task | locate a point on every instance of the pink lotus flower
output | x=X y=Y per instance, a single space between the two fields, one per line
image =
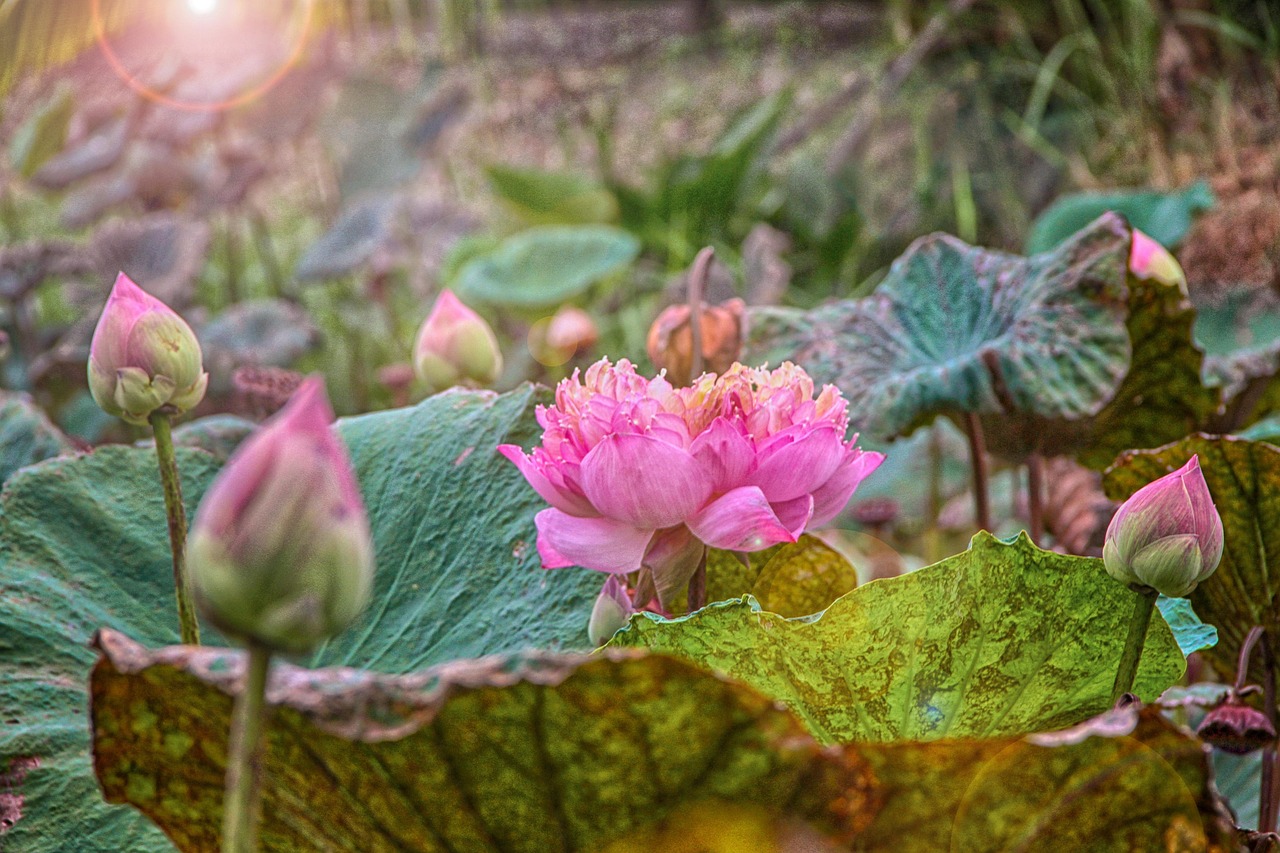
x=639 y=473
x=280 y=550
x=1148 y=259
x=143 y=356
x=1168 y=536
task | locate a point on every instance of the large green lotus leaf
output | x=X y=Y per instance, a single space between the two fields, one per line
x=27 y=436
x=83 y=545
x=1162 y=397
x=954 y=328
x=217 y=435
x=792 y=579
x=1165 y=216
x=544 y=266
x=534 y=753
x=1243 y=478
x=1002 y=639
x=613 y=753
x=1249 y=380
x=1059 y=353
x=1120 y=782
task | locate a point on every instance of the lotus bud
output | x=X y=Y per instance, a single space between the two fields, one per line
x=611 y=612
x=1237 y=728
x=455 y=345
x=1149 y=260
x=571 y=332
x=1168 y=536
x=143 y=357
x=280 y=552
x=670 y=342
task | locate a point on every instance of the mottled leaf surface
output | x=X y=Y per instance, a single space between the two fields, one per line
x=533 y=754
x=954 y=328
x=1242 y=477
x=83 y=545
x=1162 y=397
x=1120 y=782
x=1002 y=639
x=26 y=434
x=614 y=753
x=217 y=435
x=793 y=579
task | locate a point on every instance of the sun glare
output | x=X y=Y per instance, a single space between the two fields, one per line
x=202 y=7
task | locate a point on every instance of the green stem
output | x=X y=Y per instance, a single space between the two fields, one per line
x=240 y=807
x=1133 y=643
x=189 y=626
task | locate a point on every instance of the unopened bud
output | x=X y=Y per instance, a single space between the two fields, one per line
x=1148 y=259
x=280 y=552
x=143 y=357
x=455 y=346
x=1168 y=536
x=670 y=342
x=571 y=332
x=611 y=612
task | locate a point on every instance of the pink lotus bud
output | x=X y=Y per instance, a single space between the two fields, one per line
x=612 y=612
x=143 y=357
x=1148 y=259
x=1168 y=536
x=280 y=551
x=455 y=345
x=639 y=473
x=571 y=332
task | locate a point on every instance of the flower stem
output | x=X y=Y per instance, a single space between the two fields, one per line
x=187 y=623
x=1268 y=805
x=698 y=274
x=978 y=462
x=240 y=807
x=1133 y=643
x=1035 y=496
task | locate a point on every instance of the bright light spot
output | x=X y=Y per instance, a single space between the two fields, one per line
x=202 y=7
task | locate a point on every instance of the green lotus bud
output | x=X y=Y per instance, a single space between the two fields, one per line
x=143 y=357
x=280 y=552
x=611 y=612
x=455 y=346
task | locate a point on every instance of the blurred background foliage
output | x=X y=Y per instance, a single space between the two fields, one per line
x=300 y=178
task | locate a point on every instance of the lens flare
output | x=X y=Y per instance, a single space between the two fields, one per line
x=225 y=28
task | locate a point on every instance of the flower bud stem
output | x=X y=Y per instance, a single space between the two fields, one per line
x=1268 y=806
x=187 y=623
x=698 y=274
x=241 y=806
x=1133 y=643
x=978 y=464
x=1035 y=496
